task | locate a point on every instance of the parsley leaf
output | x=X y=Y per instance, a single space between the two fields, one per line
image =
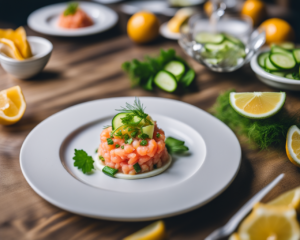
x=71 y=9
x=83 y=161
x=174 y=145
x=109 y=141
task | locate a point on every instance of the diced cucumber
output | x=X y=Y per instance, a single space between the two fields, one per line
x=176 y=68
x=116 y=121
x=296 y=53
x=262 y=59
x=234 y=40
x=165 y=81
x=206 y=37
x=269 y=65
x=289 y=75
x=149 y=130
x=282 y=61
x=279 y=74
x=277 y=49
x=218 y=47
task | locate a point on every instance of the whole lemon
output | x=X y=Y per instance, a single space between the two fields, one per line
x=256 y=10
x=143 y=27
x=277 y=31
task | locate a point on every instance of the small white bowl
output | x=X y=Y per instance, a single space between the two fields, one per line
x=41 y=50
x=273 y=80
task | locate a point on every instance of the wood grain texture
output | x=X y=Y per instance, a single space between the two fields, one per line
x=85 y=69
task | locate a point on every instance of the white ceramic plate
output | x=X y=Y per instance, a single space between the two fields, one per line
x=165 y=32
x=44 y=20
x=191 y=181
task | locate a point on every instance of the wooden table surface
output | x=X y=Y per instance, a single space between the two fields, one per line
x=84 y=69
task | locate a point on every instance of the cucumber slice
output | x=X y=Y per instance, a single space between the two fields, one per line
x=218 y=47
x=296 y=53
x=289 y=75
x=262 y=59
x=276 y=49
x=165 y=81
x=206 y=37
x=116 y=121
x=269 y=65
x=279 y=74
x=176 y=68
x=282 y=61
x=285 y=45
x=149 y=130
x=234 y=40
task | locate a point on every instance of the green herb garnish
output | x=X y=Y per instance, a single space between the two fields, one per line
x=141 y=73
x=118 y=134
x=155 y=166
x=109 y=171
x=143 y=136
x=117 y=146
x=270 y=132
x=143 y=143
x=101 y=158
x=122 y=146
x=83 y=161
x=133 y=134
x=158 y=135
x=174 y=145
x=96 y=150
x=129 y=141
x=71 y=9
x=109 y=141
x=137 y=168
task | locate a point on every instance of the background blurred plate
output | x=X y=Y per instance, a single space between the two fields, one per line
x=44 y=20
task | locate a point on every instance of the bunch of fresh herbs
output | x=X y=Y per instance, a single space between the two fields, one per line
x=269 y=132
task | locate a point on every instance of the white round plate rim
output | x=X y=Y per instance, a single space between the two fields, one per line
x=215 y=175
x=37 y=20
x=165 y=32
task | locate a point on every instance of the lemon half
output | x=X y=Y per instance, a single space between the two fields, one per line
x=293 y=145
x=257 y=105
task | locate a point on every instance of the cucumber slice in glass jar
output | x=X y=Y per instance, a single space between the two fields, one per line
x=218 y=47
x=165 y=81
x=234 y=40
x=282 y=61
x=206 y=37
x=176 y=68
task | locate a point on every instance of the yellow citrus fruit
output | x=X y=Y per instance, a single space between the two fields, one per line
x=234 y=236
x=257 y=105
x=254 y=9
x=181 y=17
x=12 y=105
x=154 y=231
x=277 y=31
x=11 y=49
x=208 y=8
x=270 y=222
x=288 y=199
x=293 y=145
x=143 y=27
x=20 y=40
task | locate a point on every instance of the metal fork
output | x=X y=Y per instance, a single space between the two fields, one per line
x=232 y=224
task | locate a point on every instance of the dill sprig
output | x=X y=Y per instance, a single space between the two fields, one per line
x=269 y=132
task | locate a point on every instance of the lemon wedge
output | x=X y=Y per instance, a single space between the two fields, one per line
x=12 y=105
x=257 y=105
x=234 y=236
x=288 y=199
x=154 y=231
x=270 y=223
x=13 y=50
x=21 y=42
x=292 y=145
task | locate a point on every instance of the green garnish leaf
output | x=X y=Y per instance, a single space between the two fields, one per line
x=96 y=150
x=117 y=146
x=101 y=158
x=71 y=9
x=188 y=78
x=129 y=141
x=119 y=133
x=122 y=146
x=83 y=161
x=143 y=143
x=158 y=135
x=133 y=134
x=137 y=168
x=155 y=166
x=109 y=171
x=174 y=145
x=109 y=141
x=143 y=136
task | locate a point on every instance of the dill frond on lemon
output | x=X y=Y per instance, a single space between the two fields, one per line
x=293 y=145
x=12 y=105
x=153 y=231
x=257 y=105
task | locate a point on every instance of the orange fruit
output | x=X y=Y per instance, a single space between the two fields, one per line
x=277 y=31
x=208 y=8
x=254 y=9
x=143 y=27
